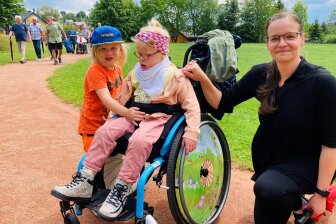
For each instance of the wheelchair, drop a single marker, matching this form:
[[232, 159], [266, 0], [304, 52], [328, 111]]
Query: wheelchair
[[197, 184]]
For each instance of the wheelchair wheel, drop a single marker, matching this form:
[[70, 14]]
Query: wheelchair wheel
[[71, 218], [199, 183]]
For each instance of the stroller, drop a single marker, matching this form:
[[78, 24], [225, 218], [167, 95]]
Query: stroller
[[197, 184], [81, 45]]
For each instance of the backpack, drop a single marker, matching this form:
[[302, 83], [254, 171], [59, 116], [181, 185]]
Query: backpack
[[201, 52], [215, 52]]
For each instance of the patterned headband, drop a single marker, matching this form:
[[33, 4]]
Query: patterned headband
[[156, 40]]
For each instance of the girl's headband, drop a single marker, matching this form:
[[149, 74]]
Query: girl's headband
[[156, 40]]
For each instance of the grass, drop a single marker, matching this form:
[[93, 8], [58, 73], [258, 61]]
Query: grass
[[240, 126]]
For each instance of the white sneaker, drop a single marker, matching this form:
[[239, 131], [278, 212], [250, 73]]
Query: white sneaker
[[38, 59], [80, 188], [115, 201]]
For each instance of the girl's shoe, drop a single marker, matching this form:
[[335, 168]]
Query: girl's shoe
[[115, 201], [80, 188]]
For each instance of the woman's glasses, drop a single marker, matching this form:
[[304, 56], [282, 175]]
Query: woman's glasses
[[288, 37], [144, 56]]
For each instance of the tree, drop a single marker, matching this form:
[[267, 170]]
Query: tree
[[122, 14], [175, 14], [170, 13], [81, 15], [150, 9], [62, 13], [69, 16], [280, 6], [332, 17], [324, 28], [254, 16], [228, 17], [201, 15], [45, 11], [8, 10], [315, 32], [301, 10], [208, 17]]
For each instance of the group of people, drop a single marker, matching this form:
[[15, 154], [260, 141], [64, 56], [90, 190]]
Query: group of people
[[79, 38], [293, 150], [55, 35]]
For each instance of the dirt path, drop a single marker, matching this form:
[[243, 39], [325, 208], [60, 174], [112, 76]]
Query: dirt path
[[40, 148]]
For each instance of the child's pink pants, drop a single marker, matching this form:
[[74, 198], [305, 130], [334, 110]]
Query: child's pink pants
[[139, 144]]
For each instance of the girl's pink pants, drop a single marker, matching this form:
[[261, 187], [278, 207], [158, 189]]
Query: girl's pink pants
[[139, 144]]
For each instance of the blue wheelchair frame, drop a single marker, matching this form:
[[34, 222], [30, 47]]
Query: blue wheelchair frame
[[148, 171]]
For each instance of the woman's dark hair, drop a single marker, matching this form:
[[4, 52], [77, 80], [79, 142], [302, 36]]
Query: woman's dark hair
[[265, 93]]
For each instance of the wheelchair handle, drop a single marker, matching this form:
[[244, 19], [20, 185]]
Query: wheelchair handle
[[307, 213], [200, 60]]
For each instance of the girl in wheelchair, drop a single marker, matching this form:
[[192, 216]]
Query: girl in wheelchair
[[154, 81]]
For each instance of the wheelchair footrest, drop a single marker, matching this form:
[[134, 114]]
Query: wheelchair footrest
[[98, 199]]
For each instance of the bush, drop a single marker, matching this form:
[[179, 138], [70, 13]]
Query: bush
[[329, 39]]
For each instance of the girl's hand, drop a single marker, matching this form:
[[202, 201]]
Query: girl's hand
[[193, 71], [317, 204], [134, 114], [189, 144]]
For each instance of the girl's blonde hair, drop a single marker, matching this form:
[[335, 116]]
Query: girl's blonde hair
[[121, 60], [156, 27]]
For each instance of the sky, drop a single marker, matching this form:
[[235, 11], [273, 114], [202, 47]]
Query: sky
[[320, 9]]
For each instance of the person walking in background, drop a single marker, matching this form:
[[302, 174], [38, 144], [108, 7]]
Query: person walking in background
[[54, 33], [294, 147], [35, 30], [47, 43], [22, 35]]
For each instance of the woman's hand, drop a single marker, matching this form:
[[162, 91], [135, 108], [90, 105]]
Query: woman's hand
[[189, 144], [134, 114], [193, 71], [317, 204]]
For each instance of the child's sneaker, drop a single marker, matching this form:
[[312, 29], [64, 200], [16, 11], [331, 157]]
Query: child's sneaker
[[115, 201], [80, 188]]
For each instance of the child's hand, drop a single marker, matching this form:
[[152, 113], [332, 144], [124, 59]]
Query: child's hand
[[189, 144], [134, 114]]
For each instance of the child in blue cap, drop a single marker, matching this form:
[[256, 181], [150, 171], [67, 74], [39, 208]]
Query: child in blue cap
[[103, 84]]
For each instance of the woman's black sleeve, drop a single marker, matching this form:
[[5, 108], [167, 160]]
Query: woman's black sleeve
[[243, 90]]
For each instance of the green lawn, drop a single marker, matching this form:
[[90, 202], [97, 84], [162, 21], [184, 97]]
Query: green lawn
[[238, 127]]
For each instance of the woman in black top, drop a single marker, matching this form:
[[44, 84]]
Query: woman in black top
[[294, 148]]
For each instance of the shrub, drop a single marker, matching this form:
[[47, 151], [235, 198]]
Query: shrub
[[330, 39]]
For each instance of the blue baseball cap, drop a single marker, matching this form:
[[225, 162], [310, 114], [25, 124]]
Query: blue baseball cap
[[106, 35]]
